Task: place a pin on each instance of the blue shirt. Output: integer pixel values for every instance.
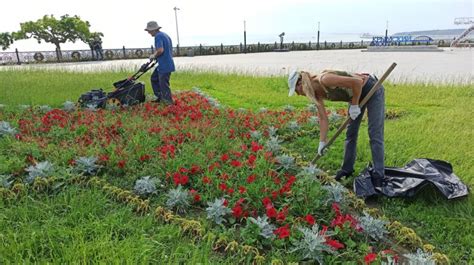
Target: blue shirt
(165, 60)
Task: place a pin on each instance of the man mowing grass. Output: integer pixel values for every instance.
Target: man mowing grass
(160, 79)
(349, 87)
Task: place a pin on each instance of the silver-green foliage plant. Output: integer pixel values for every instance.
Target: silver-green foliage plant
(87, 165)
(146, 186)
(313, 120)
(373, 227)
(286, 161)
(312, 108)
(289, 108)
(334, 117)
(41, 170)
(5, 181)
(217, 211)
(69, 106)
(273, 144)
(311, 171)
(6, 129)
(336, 192)
(44, 108)
(294, 126)
(178, 199)
(266, 229)
(272, 131)
(262, 110)
(256, 135)
(420, 258)
(313, 244)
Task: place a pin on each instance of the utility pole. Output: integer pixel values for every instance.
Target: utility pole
(176, 18)
(317, 43)
(245, 38)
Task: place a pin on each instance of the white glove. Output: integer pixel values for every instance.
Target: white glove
(152, 57)
(321, 146)
(354, 111)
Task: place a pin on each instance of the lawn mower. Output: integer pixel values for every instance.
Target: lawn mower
(127, 92)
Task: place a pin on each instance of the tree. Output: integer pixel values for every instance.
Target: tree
(5, 40)
(52, 30)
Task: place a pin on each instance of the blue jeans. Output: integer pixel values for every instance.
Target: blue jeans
(376, 114)
(161, 86)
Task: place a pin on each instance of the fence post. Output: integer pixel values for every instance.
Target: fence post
(152, 50)
(124, 53)
(258, 47)
(325, 44)
(241, 47)
(177, 50)
(222, 48)
(200, 49)
(309, 45)
(17, 56)
(340, 45)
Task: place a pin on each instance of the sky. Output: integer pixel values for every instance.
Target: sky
(211, 22)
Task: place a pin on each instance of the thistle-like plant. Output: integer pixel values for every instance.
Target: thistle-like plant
(91, 107)
(272, 131)
(294, 126)
(266, 229)
(146, 186)
(336, 192)
(373, 227)
(285, 161)
(256, 135)
(87, 165)
(313, 120)
(420, 258)
(44, 108)
(312, 108)
(273, 144)
(6, 181)
(6, 129)
(289, 108)
(334, 117)
(311, 171)
(262, 110)
(41, 170)
(217, 210)
(178, 199)
(69, 106)
(24, 107)
(313, 244)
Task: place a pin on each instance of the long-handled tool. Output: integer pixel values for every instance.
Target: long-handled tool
(362, 103)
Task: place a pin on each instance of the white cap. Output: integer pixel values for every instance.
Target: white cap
(292, 80)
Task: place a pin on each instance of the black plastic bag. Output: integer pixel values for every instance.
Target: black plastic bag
(407, 181)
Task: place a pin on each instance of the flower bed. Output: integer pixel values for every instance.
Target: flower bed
(197, 160)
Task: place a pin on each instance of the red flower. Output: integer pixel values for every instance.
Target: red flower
(226, 202)
(281, 216)
(336, 208)
(197, 198)
(251, 159)
(230, 191)
(282, 232)
(237, 211)
(145, 157)
(271, 212)
(223, 187)
(206, 180)
(224, 158)
(121, 164)
(251, 178)
(236, 163)
(256, 147)
(242, 189)
(103, 158)
(194, 169)
(310, 219)
(266, 201)
(334, 243)
(369, 258)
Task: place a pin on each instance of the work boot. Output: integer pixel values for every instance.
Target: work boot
(378, 183)
(342, 173)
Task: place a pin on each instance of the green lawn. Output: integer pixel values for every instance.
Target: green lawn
(435, 122)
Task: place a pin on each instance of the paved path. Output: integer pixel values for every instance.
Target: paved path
(451, 66)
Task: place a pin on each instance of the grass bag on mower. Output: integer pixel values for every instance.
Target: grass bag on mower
(127, 92)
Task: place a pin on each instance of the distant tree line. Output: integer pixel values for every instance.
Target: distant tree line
(52, 30)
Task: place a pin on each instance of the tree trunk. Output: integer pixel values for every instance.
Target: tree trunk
(59, 55)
